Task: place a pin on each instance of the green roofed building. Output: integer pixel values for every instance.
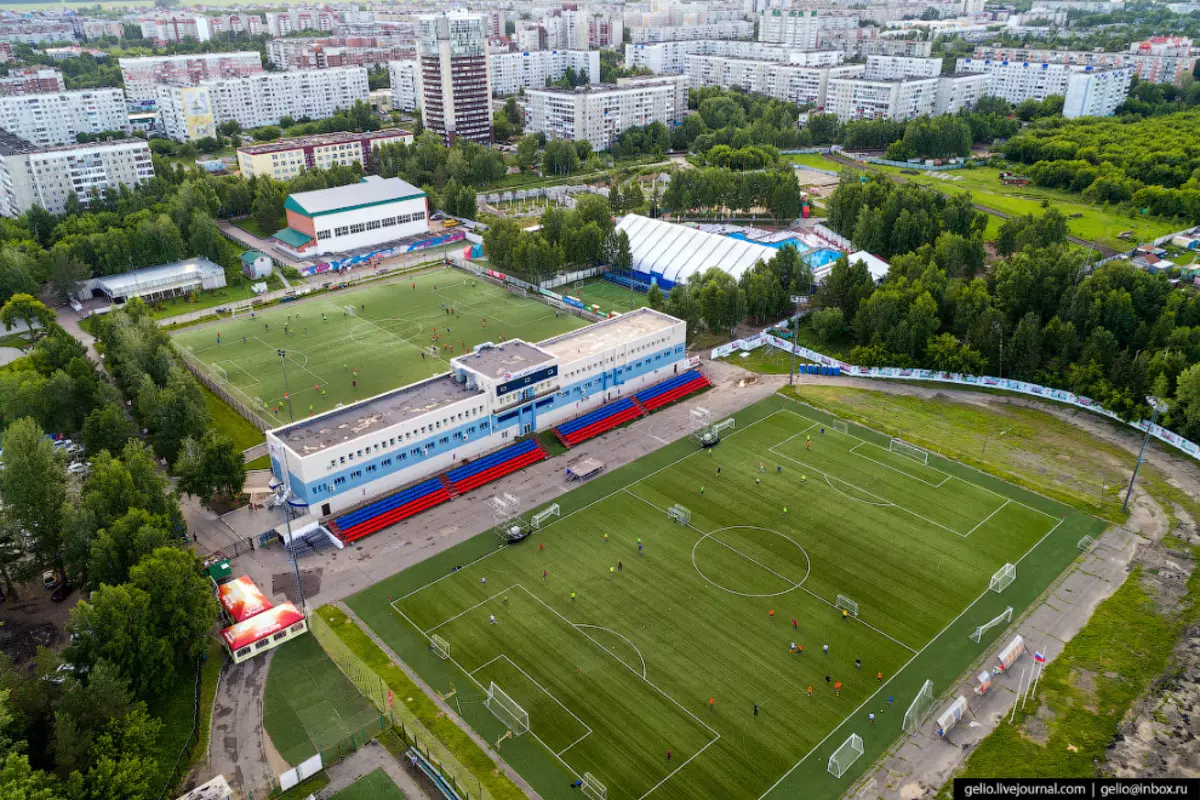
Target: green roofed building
(353, 217)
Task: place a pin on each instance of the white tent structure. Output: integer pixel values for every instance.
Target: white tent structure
(673, 253)
(154, 283)
(875, 265)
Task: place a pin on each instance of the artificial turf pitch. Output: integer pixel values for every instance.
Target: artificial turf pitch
(622, 673)
(380, 331)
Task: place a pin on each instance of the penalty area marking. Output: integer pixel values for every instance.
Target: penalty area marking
(620, 636)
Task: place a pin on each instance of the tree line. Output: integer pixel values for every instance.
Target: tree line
(1116, 335)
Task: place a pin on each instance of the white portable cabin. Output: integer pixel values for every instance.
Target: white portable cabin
(950, 717)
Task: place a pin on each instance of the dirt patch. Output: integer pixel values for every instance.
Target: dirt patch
(1084, 680)
(285, 583)
(1037, 727)
(32, 620)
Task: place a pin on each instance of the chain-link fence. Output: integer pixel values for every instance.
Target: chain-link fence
(173, 776)
(414, 733)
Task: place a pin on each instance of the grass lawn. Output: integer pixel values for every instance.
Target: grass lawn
(231, 423)
(757, 360)
(250, 225)
(814, 160)
(182, 305)
(375, 785)
(1097, 223)
(335, 356)
(606, 294)
(176, 709)
(18, 340)
(619, 674)
(309, 704)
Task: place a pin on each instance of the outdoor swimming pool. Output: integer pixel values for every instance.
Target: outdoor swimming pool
(819, 258)
(796, 243)
(814, 258)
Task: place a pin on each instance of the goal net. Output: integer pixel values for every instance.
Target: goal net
(507, 710)
(351, 310)
(538, 519)
(1003, 577)
(593, 788)
(723, 427)
(517, 290)
(577, 285)
(219, 373)
(1085, 543)
(919, 708)
(679, 514)
(845, 756)
(846, 603)
(908, 451)
(1002, 618)
(840, 426)
(439, 646)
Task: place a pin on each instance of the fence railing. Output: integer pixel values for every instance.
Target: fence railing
(173, 776)
(375, 689)
(200, 373)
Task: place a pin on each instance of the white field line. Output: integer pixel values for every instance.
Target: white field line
(884, 686)
(989, 516)
(681, 766)
(620, 635)
(945, 475)
(486, 664)
(549, 694)
(486, 600)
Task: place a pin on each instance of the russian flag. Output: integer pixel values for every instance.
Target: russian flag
(1039, 658)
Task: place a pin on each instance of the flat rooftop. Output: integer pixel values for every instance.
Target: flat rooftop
(320, 140)
(514, 356)
(599, 337)
(382, 411)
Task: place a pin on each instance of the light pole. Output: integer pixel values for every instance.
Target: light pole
(1157, 406)
(795, 326)
(999, 330)
(286, 392)
(287, 519)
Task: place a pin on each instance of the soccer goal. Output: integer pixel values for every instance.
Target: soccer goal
(439, 646)
(538, 519)
(919, 708)
(577, 285)
(351, 310)
(1003, 617)
(219, 373)
(680, 514)
(908, 450)
(1085, 543)
(840, 426)
(519, 291)
(842, 758)
(593, 788)
(507, 710)
(723, 426)
(846, 603)
(1003, 577)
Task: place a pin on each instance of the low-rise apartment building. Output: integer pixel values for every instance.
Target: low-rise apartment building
(1162, 59)
(287, 158)
(896, 99)
(724, 29)
(141, 74)
(599, 114)
(793, 83)
(1096, 91)
(670, 58)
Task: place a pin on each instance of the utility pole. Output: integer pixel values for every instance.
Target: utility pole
(999, 330)
(795, 327)
(287, 518)
(286, 392)
(1157, 406)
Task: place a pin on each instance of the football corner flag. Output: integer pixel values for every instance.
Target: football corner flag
(1039, 657)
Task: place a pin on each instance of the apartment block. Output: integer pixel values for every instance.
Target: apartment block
(172, 28)
(140, 75)
(35, 31)
(1163, 59)
(338, 51)
(897, 99)
(193, 112)
(801, 28)
(34, 80)
(59, 117)
(287, 158)
(406, 84)
(281, 23)
(250, 24)
(512, 72)
(910, 48)
(456, 91)
(48, 177)
(599, 114)
(1017, 81)
(670, 58)
(898, 67)
(793, 83)
(581, 29)
(959, 91)
(98, 28)
(725, 29)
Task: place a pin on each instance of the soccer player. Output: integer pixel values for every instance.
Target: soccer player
(756, 709)
(827, 679)
(837, 688)
(572, 597)
(620, 566)
(771, 614)
(757, 482)
(795, 624)
(822, 430)
(701, 490)
(879, 677)
(541, 547)
(612, 571)
(491, 619)
(808, 445)
(712, 704)
(640, 550)
(785, 511)
(778, 468)
(858, 663)
(803, 478)
(718, 466)
(845, 614)
(606, 538)
(792, 648)
(810, 691)
(891, 699)
(825, 649)
(761, 467)
(543, 576)
(483, 581)
(871, 718)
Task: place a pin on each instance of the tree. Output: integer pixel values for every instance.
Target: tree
(123, 763)
(721, 301)
(117, 623)
(17, 269)
(947, 354)
(122, 544)
(107, 428)
(847, 286)
(527, 150)
(25, 308)
(210, 466)
(500, 242)
(67, 273)
(829, 324)
(20, 781)
(33, 485)
(182, 599)
(84, 710)
(205, 238)
(559, 157)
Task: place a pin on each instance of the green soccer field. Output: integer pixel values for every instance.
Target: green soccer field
(619, 675)
(606, 294)
(379, 331)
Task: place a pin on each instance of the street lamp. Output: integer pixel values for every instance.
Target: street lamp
(999, 330)
(1157, 406)
(287, 519)
(286, 392)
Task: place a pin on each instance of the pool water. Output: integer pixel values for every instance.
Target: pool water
(819, 258)
(796, 243)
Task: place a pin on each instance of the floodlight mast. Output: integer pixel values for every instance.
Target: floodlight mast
(1157, 407)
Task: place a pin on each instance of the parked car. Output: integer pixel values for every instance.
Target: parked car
(49, 580)
(61, 592)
